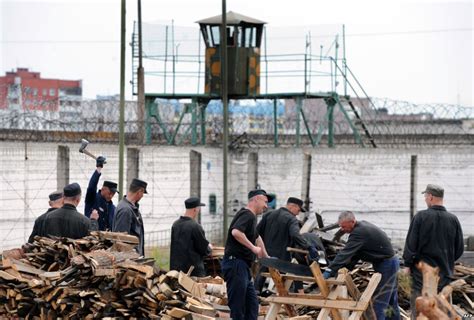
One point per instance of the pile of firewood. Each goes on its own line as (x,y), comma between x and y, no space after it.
(99,276)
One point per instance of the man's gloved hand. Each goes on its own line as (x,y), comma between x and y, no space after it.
(327,274)
(100,161)
(313,254)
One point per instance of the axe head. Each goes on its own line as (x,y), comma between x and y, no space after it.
(84,144)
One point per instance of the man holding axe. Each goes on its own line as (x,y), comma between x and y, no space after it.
(99,201)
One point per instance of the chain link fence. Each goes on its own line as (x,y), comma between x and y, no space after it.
(373,183)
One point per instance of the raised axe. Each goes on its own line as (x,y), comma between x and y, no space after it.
(82,149)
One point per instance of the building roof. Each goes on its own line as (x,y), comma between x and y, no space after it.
(232,18)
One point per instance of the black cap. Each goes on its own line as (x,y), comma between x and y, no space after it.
(72,190)
(193,202)
(254,193)
(111,185)
(296,201)
(56,195)
(434,190)
(139,183)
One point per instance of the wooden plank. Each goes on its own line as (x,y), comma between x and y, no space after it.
(177,313)
(191,286)
(366,296)
(281,290)
(355,293)
(333,295)
(275,308)
(318,276)
(303,278)
(334,304)
(120,236)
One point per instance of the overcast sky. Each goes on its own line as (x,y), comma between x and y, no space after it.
(419,51)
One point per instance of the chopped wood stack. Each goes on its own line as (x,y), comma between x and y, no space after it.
(98,276)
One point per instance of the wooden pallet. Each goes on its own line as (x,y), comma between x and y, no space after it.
(339,299)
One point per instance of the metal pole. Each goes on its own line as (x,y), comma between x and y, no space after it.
(174,52)
(275,123)
(413,178)
(266,60)
(166,60)
(141,81)
(122,99)
(344,57)
(299,107)
(26,194)
(225,111)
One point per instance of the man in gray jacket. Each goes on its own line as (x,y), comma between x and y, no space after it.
(128,217)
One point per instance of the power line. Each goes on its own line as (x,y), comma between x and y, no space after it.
(187,39)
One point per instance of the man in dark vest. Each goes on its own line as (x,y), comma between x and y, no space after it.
(189,245)
(101,200)
(67,221)
(55,201)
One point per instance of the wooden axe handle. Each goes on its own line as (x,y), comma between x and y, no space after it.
(290,249)
(89,154)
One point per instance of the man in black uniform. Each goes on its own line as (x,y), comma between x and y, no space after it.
(101,200)
(280,229)
(188,241)
(242,245)
(369,243)
(67,221)
(128,217)
(55,201)
(435,237)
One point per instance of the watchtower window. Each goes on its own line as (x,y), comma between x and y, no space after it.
(215,36)
(249,40)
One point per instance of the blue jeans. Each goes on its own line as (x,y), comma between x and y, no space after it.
(386,294)
(243,301)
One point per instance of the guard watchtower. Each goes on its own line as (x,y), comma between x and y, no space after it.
(244,37)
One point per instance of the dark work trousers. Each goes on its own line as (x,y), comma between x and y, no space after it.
(243,302)
(386,294)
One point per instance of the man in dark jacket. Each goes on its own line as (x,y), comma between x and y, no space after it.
(101,200)
(188,241)
(280,229)
(369,243)
(128,217)
(435,237)
(55,201)
(67,221)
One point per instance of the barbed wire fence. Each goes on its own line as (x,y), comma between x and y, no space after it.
(25,121)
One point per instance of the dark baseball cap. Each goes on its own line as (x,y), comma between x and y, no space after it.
(193,202)
(72,190)
(434,190)
(56,195)
(111,185)
(139,183)
(257,192)
(296,201)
